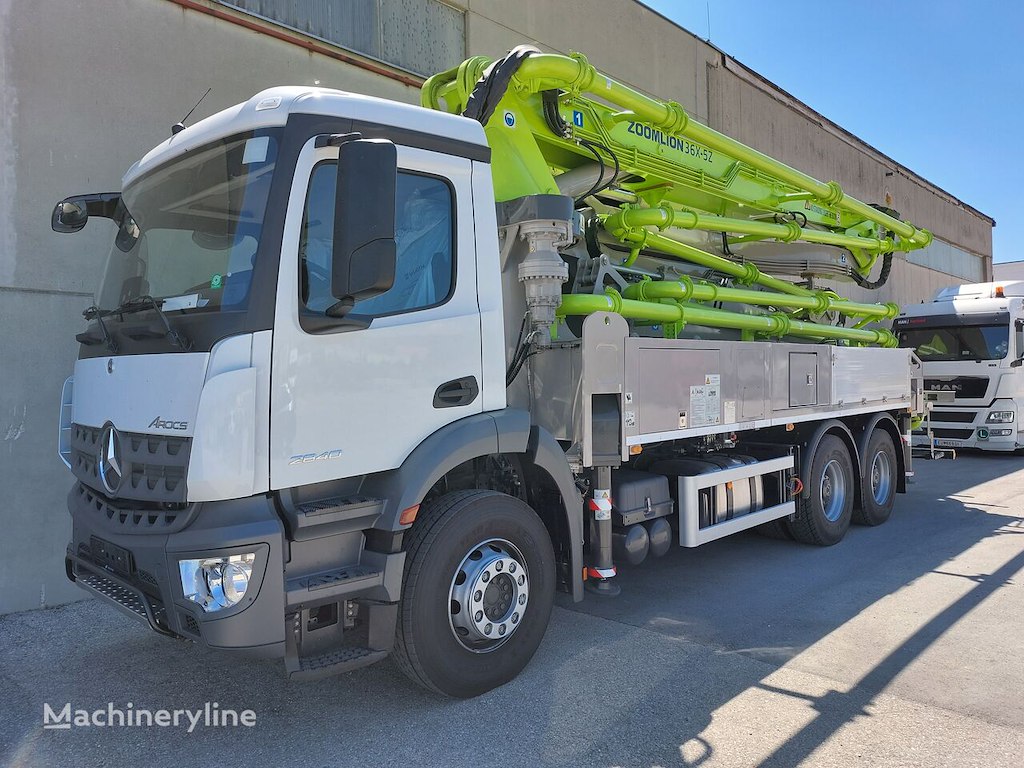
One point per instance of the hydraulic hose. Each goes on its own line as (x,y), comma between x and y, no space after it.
(665,216)
(685,289)
(744,273)
(776,324)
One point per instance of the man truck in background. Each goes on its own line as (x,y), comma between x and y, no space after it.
(970,339)
(366,378)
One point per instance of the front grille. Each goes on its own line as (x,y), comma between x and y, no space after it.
(954,417)
(961,386)
(955,434)
(154,466)
(104,514)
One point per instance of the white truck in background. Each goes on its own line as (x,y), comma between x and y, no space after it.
(970,339)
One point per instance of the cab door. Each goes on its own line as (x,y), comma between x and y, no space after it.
(349,400)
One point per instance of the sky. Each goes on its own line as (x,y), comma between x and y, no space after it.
(937,85)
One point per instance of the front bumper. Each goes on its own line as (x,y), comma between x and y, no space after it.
(311,593)
(972,441)
(142,577)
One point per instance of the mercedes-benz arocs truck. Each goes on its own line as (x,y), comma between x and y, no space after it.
(363,378)
(970,340)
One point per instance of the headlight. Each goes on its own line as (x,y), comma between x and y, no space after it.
(1000,417)
(216,583)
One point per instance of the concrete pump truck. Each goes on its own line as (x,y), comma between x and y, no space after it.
(364,378)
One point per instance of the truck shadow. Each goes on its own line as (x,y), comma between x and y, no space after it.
(632,681)
(769,601)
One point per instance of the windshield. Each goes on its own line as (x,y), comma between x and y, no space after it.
(188,231)
(957,342)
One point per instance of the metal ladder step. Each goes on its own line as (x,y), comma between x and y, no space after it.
(337,515)
(342,582)
(333,663)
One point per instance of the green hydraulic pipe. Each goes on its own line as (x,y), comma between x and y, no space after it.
(745,273)
(575,74)
(685,289)
(776,325)
(665,216)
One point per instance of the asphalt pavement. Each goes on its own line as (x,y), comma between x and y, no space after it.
(901,646)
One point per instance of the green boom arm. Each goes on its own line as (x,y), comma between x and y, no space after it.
(693,165)
(549,114)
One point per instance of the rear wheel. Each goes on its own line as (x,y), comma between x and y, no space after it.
(477,593)
(824,517)
(878,485)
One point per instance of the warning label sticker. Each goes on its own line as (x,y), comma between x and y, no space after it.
(729,409)
(706,403)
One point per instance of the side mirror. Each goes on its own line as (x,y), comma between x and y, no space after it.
(363,258)
(1018,343)
(71,214)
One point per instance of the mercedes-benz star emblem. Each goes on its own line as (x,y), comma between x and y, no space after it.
(109,463)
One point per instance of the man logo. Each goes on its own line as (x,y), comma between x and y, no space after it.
(109,461)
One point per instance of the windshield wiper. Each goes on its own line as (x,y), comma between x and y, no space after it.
(95,313)
(140,303)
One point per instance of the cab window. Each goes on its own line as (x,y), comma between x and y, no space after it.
(425,264)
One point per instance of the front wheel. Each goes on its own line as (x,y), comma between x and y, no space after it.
(477,593)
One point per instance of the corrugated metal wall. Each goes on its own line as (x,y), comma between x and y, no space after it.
(421,36)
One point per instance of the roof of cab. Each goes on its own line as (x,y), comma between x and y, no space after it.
(993,290)
(970,299)
(273,106)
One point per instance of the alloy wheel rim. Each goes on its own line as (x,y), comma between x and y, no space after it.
(832,490)
(881,477)
(488,596)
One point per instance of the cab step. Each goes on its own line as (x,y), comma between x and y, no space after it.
(340,650)
(332,663)
(340,583)
(314,519)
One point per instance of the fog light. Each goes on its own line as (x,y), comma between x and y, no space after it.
(216,583)
(1000,432)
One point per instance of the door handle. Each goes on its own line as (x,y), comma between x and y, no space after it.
(456,392)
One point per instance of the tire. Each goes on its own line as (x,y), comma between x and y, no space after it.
(824,517)
(878,484)
(465,547)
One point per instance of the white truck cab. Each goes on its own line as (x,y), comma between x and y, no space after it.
(970,339)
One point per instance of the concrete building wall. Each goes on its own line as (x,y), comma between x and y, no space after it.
(612,33)
(86,88)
